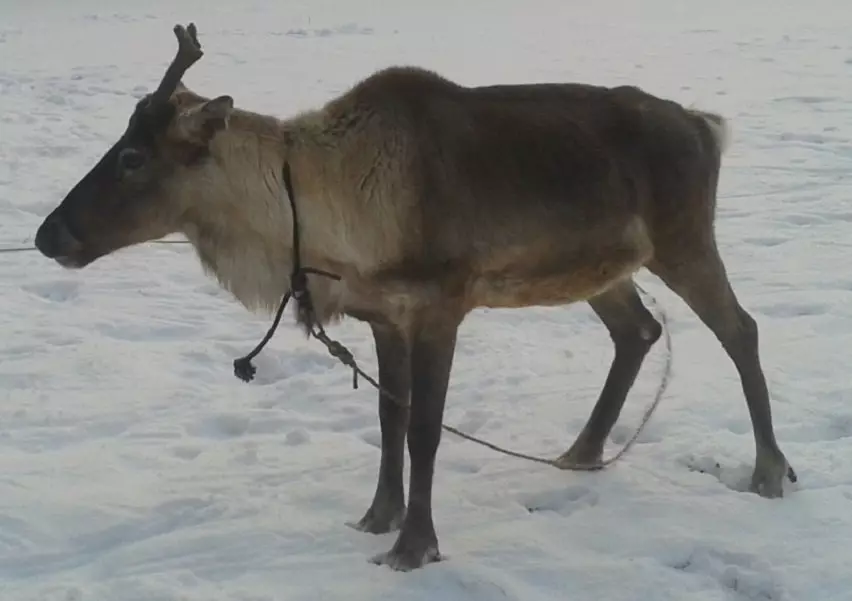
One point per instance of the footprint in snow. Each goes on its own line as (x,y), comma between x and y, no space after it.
(736,478)
(747,576)
(147,523)
(146,331)
(186,452)
(56,291)
(805,219)
(297,437)
(224,425)
(473,421)
(564,501)
(622,433)
(793,309)
(827,429)
(840,427)
(464,466)
(373,437)
(767,241)
(806,99)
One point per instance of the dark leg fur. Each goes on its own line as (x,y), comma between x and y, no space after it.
(432,351)
(633,331)
(388,507)
(700,279)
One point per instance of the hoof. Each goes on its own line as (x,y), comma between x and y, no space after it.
(407,559)
(379,522)
(769,475)
(576,457)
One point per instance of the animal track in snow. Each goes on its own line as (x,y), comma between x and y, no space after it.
(147,331)
(224,425)
(805,219)
(373,437)
(186,452)
(736,478)
(563,501)
(746,576)
(473,421)
(55,291)
(296,437)
(827,429)
(793,309)
(348,29)
(45,339)
(621,433)
(740,427)
(807,99)
(767,241)
(92,546)
(464,466)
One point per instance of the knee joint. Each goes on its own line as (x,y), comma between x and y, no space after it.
(748,326)
(745,337)
(644,333)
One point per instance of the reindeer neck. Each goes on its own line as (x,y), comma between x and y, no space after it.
(243,229)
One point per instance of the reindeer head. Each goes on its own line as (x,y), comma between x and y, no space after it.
(139,189)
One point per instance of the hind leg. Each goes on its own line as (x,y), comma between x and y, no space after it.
(633,331)
(698,276)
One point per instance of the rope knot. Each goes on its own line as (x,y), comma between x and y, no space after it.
(341,353)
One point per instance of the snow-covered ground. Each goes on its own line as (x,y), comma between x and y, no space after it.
(134,466)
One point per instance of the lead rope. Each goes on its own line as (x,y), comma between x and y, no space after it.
(245,371)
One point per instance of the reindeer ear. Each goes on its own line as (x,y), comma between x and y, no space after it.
(218,108)
(201,122)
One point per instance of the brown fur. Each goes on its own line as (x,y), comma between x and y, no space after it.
(408,186)
(431,199)
(355,171)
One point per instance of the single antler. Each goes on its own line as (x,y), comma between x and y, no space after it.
(189,51)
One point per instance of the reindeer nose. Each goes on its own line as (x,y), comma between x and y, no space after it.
(54,239)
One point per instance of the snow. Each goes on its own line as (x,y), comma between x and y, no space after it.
(135,466)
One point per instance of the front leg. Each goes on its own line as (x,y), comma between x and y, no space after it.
(432,351)
(388,507)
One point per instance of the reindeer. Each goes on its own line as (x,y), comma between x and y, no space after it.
(430,199)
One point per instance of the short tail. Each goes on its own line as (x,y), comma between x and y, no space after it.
(718,127)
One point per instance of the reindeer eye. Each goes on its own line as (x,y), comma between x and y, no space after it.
(130,159)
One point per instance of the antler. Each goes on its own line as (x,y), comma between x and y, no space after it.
(189,51)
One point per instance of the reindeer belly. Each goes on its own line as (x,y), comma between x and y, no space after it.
(574,268)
